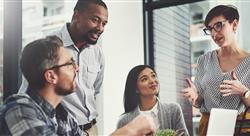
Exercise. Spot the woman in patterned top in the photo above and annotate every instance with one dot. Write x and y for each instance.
(223, 75)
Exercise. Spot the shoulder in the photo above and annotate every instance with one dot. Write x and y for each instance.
(207, 56)
(125, 118)
(19, 104)
(170, 107)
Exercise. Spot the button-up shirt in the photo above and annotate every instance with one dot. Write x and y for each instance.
(81, 104)
(152, 113)
(32, 115)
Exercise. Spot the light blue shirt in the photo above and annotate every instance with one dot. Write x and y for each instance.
(81, 104)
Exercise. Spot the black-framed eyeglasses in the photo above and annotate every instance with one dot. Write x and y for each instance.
(217, 27)
(72, 62)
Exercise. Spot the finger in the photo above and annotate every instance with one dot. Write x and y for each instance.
(233, 75)
(189, 82)
(225, 86)
(183, 91)
(226, 94)
(186, 95)
(229, 82)
(225, 91)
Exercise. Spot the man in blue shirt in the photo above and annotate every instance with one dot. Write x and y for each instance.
(50, 71)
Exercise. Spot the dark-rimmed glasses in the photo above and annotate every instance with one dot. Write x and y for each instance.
(217, 27)
(72, 62)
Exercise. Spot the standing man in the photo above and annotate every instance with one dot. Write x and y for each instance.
(79, 38)
(50, 71)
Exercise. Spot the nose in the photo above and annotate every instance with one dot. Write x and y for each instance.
(213, 33)
(100, 27)
(76, 67)
(152, 80)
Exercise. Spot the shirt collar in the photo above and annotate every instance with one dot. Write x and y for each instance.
(66, 38)
(154, 110)
(46, 106)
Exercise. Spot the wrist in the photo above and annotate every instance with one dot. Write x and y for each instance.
(246, 93)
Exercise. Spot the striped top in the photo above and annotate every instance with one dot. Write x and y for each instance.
(208, 78)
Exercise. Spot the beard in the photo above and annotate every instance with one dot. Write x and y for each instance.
(63, 90)
(88, 39)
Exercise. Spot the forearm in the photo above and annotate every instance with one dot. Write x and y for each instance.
(124, 131)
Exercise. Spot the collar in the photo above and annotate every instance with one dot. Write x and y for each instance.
(46, 106)
(66, 38)
(154, 110)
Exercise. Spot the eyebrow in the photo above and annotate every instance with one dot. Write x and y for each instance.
(146, 75)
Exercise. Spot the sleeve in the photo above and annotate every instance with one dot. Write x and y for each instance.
(99, 79)
(76, 131)
(24, 120)
(122, 122)
(180, 125)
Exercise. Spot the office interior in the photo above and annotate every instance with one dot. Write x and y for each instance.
(165, 35)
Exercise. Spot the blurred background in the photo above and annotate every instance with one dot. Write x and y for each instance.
(164, 34)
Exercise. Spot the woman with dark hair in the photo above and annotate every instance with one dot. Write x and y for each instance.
(223, 77)
(141, 97)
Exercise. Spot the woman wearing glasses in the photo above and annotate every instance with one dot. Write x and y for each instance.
(223, 75)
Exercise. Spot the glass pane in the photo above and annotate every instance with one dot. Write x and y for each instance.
(47, 16)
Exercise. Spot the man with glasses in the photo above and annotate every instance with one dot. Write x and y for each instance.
(50, 72)
(223, 77)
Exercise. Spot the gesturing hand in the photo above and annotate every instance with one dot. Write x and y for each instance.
(232, 87)
(190, 92)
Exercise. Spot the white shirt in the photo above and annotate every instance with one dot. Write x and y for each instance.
(152, 113)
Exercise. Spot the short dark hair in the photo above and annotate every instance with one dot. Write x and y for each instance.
(131, 99)
(82, 5)
(230, 12)
(36, 57)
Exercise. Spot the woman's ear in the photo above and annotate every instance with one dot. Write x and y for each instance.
(50, 76)
(235, 25)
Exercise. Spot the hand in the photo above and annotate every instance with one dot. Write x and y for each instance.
(190, 92)
(232, 87)
(139, 126)
(142, 125)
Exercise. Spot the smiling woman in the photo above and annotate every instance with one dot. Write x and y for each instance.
(141, 97)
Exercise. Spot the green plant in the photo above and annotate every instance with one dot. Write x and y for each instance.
(165, 132)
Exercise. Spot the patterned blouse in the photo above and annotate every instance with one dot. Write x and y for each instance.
(208, 78)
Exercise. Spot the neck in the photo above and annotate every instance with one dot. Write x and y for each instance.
(75, 36)
(230, 50)
(50, 96)
(147, 103)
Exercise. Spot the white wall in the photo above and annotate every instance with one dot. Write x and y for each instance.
(122, 43)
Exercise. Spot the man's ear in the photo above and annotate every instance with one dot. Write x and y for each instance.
(50, 76)
(76, 16)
